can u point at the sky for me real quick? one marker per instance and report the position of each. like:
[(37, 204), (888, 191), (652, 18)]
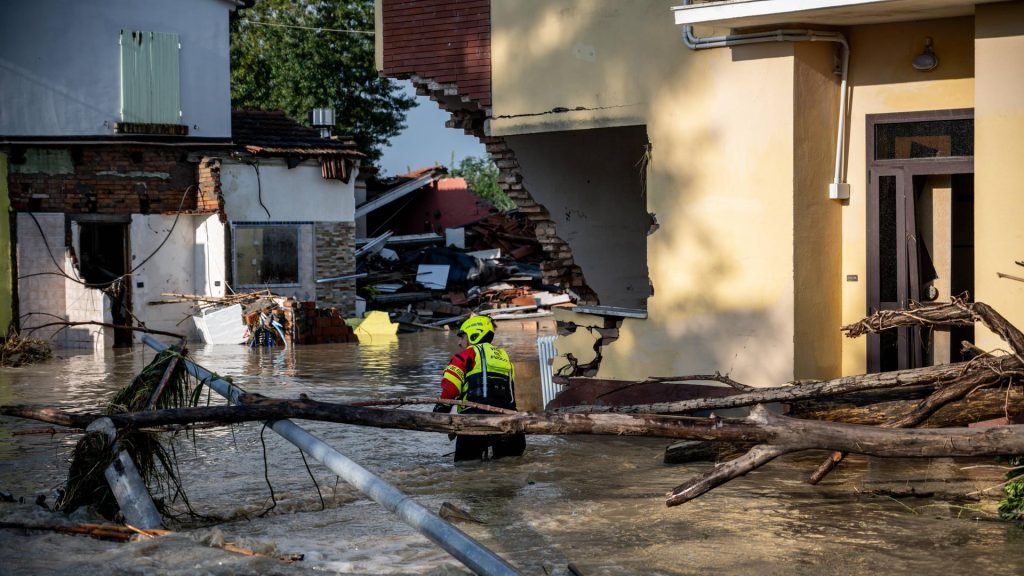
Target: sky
[(425, 141)]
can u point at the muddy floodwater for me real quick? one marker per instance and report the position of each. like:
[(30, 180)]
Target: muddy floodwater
[(596, 502)]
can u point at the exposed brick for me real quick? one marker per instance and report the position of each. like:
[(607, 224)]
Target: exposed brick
[(440, 38), (111, 179)]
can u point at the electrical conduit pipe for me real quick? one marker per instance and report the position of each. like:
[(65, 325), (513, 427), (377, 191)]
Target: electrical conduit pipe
[(838, 190), (457, 543)]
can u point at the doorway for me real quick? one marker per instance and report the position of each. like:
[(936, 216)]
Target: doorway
[(104, 259), (920, 229)]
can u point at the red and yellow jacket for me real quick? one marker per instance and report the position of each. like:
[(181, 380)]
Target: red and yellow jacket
[(482, 373)]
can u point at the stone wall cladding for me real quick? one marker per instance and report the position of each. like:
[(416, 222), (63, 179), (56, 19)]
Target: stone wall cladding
[(109, 179), (443, 47), (335, 256)]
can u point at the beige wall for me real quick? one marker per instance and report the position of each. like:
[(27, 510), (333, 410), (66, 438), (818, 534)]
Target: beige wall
[(753, 268), (720, 179), (817, 220), (883, 81), (999, 169)]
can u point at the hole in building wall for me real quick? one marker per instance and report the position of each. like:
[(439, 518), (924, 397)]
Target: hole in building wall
[(593, 182)]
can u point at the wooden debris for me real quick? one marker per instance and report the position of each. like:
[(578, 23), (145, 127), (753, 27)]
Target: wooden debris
[(453, 513), (127, 533), (18, 350)]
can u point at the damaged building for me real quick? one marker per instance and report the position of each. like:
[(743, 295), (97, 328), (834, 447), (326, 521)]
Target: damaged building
[(731, 182), (128, 179)]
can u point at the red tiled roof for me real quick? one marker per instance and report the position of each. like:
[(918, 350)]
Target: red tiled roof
[(422, 171), (445, 184), (273, 133)]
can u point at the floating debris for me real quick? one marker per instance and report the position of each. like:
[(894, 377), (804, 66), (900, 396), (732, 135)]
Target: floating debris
[(17, 350)]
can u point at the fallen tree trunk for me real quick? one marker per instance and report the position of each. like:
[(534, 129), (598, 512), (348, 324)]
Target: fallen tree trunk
[(991, 371), (981, 405), (919, 414), (957, 312), (762, 426), (775, 435)]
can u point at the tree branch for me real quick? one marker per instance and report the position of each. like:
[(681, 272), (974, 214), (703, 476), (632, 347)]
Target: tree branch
[(716, 377)]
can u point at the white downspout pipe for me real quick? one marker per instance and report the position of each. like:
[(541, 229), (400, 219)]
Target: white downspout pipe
[(838, 190)]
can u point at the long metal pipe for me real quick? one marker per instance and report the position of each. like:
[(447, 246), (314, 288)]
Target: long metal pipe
[(696, 43), (454, 541)]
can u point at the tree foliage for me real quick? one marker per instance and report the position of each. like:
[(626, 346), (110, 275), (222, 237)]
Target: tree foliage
[(295, 55), (482, 177)]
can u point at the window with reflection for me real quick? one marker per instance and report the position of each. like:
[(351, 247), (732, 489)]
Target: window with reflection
[(266, 255), (924, 139)]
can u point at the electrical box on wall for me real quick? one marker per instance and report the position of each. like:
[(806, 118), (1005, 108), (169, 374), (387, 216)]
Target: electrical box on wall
[(839, 191)]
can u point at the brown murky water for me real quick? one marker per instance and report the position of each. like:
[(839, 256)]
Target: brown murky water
[(594, 501)]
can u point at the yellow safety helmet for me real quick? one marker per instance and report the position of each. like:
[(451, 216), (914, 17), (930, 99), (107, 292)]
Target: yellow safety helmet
[(476, 328)]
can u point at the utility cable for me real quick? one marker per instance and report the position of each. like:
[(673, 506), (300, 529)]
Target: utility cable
[(318, 29), (266, 473), (259, 186), (323, 505)]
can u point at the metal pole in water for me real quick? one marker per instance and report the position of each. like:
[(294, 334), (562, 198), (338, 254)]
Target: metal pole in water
[(126, 482), (454, 541)]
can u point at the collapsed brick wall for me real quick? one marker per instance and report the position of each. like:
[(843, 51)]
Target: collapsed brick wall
[(211, 198), (129, 179), (335, 256), (443, 47)]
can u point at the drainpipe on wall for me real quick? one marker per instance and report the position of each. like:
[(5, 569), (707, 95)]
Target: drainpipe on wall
[(837, 190)]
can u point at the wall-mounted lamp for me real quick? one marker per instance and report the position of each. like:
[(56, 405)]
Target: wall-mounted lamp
[(926, 60)]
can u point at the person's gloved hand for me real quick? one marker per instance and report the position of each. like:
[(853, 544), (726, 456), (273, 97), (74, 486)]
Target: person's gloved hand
[(442, 408)]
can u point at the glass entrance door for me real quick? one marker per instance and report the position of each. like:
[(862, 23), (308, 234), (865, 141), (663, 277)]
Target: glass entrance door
[(920, 229)]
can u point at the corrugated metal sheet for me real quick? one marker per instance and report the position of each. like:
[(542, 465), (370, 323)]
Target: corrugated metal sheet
[(150, 77)]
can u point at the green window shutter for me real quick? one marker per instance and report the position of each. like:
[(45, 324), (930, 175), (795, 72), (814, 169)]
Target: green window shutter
[(150, 81)]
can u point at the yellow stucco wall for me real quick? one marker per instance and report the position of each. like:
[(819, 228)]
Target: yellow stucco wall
[(883, 81), (754, 269), (721, 262), (817, 220), (999, 170), (5, 250)]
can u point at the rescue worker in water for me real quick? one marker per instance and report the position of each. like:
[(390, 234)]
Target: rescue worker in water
[(481, 373)]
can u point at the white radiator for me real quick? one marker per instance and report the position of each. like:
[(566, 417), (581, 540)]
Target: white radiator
[(546, 354)]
